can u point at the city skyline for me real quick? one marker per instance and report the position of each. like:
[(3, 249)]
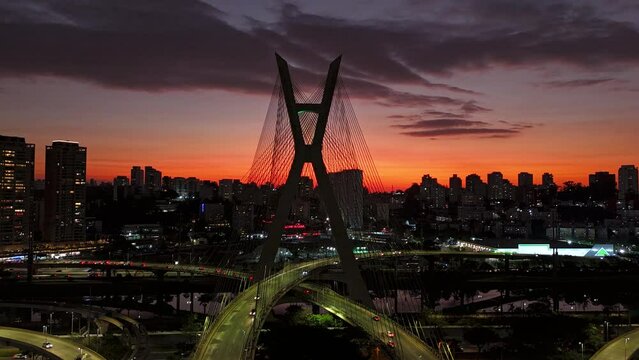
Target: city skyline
[(559, 97)]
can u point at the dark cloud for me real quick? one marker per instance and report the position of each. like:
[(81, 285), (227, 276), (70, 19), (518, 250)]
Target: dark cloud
[(440, 123), (464, 131), (472, 107), (416, 126), (157, 45), (576, 83)]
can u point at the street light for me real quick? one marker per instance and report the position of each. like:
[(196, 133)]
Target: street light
[(625, 348), (606, 322), (582, 350)]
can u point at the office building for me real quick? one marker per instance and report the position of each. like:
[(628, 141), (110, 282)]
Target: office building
[(65, 192)]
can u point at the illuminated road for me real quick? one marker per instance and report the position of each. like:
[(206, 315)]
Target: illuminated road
[(234, 331), (619, 348), (232, 335), (32, 341), (408, 346), (146, 266)]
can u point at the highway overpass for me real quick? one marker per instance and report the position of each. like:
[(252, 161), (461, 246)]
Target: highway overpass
[(621, 347), (33, 341), (407, 345)]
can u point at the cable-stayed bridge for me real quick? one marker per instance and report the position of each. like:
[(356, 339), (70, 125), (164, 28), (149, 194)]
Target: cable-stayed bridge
[(310, 136)]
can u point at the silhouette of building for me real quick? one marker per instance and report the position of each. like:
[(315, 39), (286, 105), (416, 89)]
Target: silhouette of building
[(432, 193), (348, 186), (495, 186), (602, 185), (627, 182), (152, 179), (16, 190), (120, 188), (305, 188), (455, 186), (547, 180), (65, 192), (226, 189), (525, 188), (137, 178)]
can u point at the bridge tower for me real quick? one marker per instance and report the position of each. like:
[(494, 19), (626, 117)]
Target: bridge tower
[(308, 143)]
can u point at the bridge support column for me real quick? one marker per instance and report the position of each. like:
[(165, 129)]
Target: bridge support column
[(311, 153)]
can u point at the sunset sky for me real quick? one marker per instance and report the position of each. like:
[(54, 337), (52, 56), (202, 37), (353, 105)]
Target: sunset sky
[(439, 87)]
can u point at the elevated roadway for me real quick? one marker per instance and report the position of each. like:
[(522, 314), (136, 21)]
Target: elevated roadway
[(406, 345), (621, 347), (33, 341), (233, 334)]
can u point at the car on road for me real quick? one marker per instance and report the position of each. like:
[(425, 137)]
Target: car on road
[(253, 312), (47, 345), (20, 356), (391, 344), (376, 318), (256, 297), (390, 333)]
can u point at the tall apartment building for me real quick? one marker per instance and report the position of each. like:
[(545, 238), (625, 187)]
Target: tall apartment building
[(628, 184), (137, 177), (455, 186), (348, 186), (602, 185), (16, 190), (495, 186), (152, 179), (65, 192)]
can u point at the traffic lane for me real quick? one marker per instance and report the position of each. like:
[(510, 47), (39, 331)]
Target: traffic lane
[(407, 345), (32, 340), (618, 348)]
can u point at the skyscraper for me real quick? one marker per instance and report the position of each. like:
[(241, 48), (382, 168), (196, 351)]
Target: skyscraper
[(475, 185), (152, 179), (602, 185), (525, 188), (455, 185), (120, 188), (16, 190), (432, 192), (524, 179), (65, 193), (495, 185), (226, 189), (628, 183), (547, 180), (137, 177), (348, 186)]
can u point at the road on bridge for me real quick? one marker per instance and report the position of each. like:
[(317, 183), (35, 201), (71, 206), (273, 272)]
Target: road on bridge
[(621, 347), (32, 341), (407, 345), (234, 330)]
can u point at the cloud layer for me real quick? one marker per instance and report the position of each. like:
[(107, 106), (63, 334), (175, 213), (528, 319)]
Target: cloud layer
[(161, 45)]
